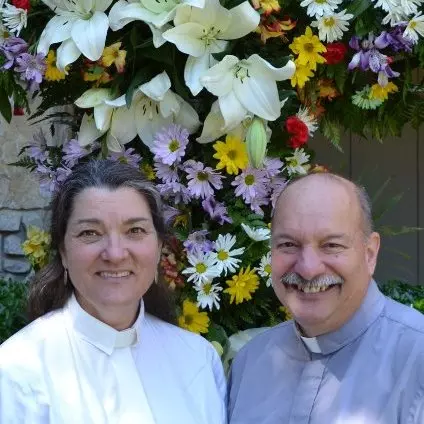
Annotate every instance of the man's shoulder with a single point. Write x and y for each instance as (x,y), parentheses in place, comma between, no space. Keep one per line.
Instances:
(405,317)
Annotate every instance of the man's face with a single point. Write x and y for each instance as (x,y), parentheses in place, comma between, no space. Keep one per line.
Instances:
(321,260)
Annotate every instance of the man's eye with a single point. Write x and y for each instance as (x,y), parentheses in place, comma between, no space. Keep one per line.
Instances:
(137,230)
(287,245)
(333,246)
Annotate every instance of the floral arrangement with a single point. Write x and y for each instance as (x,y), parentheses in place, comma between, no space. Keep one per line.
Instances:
(215,102)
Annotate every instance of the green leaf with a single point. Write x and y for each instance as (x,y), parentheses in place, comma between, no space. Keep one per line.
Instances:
(229,4)
(331,130)
(5,106)
(357,7)
(340,76)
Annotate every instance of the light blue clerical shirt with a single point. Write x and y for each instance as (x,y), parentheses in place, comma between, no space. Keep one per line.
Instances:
(370,371)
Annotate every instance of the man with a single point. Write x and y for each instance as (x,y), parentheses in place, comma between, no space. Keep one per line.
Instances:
(351,355)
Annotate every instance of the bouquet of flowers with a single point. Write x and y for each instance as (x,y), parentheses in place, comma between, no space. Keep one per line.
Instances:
(215,101)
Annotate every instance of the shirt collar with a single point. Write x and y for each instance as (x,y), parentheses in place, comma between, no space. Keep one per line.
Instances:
(99,334)
(368,312)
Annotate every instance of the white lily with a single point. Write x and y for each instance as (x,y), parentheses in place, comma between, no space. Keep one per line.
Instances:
(247,85)
(153,107)
(80,25)
(155,12)
(201,32)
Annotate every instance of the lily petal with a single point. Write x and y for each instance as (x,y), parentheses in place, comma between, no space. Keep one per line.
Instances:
(102,5)
(244,19)
(122,13)
(188,38)
(57,30)
(262,68)
(123,125)
(118,102)
(88,132)
(169,105)
(67,53)
(195,3)
(219,79)
(232,110)
(90,35)
(194,68)
(93,97)
(213,126)
(156,87)
(259,95)
(187,117)
(113,143)
(149,124)
(213,14)
(102,116)
(157,33)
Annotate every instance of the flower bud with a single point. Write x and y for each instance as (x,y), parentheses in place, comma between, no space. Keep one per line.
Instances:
(256,141)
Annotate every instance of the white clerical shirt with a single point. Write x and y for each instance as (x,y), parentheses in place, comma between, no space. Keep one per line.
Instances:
(67,367)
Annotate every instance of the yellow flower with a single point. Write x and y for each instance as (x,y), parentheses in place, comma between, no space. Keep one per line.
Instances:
(52,72)
(268,6)
(287,315)
(232,155)
(382,93)
(148,171)
(113,54)
(36,246)
(241,286)
(308,47)
(193,320)
(302,74)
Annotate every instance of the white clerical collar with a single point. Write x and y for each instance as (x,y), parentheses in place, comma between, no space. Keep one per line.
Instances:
(99,334)
(312,344)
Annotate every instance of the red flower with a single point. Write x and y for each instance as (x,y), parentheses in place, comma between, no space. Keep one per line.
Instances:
(18,111)
(299,131)
(22,4)
(335,53)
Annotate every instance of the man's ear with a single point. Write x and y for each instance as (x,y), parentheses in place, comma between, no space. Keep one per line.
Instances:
(371,250)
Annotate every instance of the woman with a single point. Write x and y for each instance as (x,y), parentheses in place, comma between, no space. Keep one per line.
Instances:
(100,349)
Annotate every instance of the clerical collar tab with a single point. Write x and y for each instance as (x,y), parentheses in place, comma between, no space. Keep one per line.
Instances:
(312,344)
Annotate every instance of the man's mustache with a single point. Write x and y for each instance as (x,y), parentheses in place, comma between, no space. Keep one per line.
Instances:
(294,279)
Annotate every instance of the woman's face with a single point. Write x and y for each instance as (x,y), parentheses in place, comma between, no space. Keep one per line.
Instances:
(111,249)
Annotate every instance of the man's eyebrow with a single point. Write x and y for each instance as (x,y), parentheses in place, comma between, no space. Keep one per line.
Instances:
(283,236)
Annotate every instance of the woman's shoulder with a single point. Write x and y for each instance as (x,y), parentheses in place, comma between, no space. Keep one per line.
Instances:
(179,339)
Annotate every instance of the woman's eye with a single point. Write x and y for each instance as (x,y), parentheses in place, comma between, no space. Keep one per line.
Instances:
(88,233)
(137,230)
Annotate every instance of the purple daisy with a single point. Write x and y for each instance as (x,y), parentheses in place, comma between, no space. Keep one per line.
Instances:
(11,48)
(126,156)
(277,186)
(216,210)
(251,183)
(170,144)
(73,153)
(197,243)
(272,166)
(202,180)
(176,191)
(256,204)
(166,173)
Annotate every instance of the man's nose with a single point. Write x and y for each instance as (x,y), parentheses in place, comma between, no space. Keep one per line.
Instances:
(309,263)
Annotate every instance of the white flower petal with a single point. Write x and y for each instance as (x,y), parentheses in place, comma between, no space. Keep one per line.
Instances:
(232,110)
(113,143)
(169,105)
(157,34)
(90,35)
(187,117)
(244,19)
(123,125)
(194,68)
(93,97)
(214,125)
(57,30)
(262,68)
(188,38)
(102,5)
(67,53)
(259,96)
(88,132)
(122,13)
(219,79)
(119,102)
(102,116)
(213,14)
(156,87)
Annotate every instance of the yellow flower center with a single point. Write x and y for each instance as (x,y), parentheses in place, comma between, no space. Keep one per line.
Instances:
(309,47)
(232,154)
(201,268)
(222,255)
(202,176)
(321,1)
(207,288)
(174,145)
(249,180)
(188,319)
(412,24)
(329,22)
(267,268)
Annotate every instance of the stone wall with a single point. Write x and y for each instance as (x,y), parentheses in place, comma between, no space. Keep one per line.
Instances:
(20,201)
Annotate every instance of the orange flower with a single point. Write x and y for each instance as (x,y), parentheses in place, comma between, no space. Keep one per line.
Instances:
(266,6)
(271,27)
(327,89)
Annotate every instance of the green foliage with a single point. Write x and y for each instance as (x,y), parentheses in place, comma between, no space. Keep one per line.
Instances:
(331,130)
(12,306)
(405,293)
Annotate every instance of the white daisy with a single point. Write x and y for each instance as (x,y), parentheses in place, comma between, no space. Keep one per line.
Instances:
(410,7)
(224,255)
(203,268)
(415,28)
(386,5)
(332,25)
(298,163)
(208,295)
(308,119)
(264,269)
(14,19)
(257,234)
(320,7)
